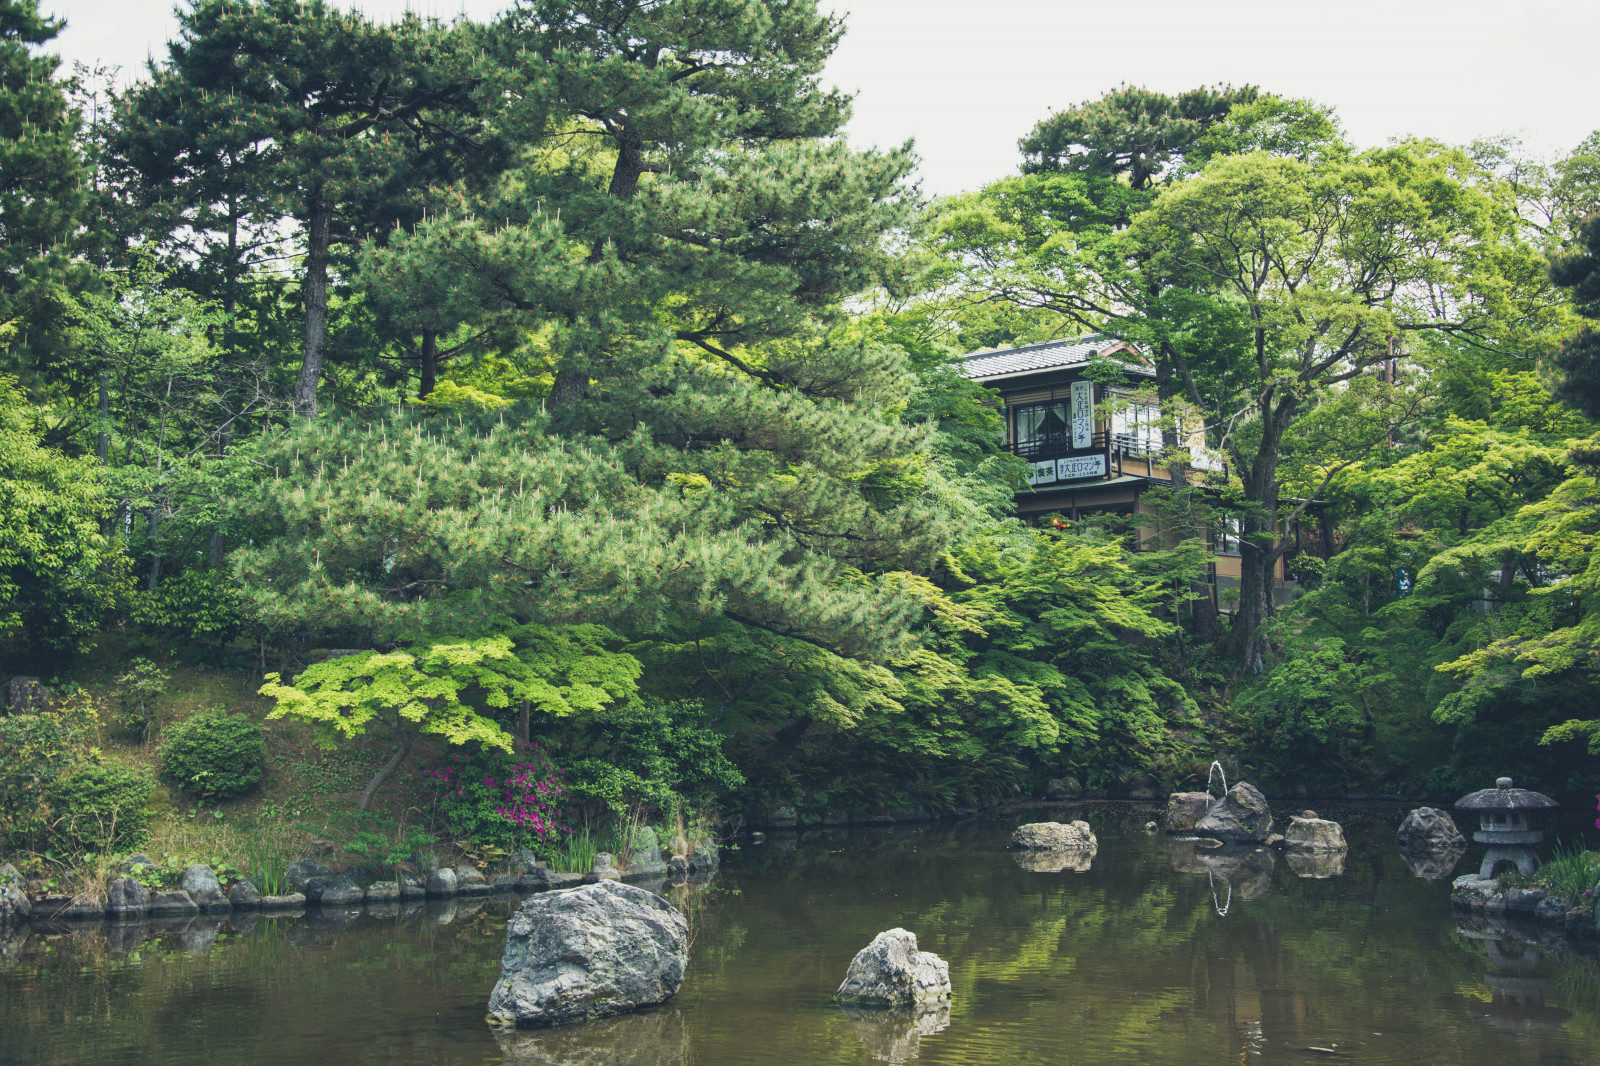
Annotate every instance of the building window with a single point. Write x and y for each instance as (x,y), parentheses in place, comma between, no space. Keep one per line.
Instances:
(1136,429)
(1043,428)
(1225,536)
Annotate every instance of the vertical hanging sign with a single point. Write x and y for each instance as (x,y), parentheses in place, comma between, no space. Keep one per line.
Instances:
(1082,414)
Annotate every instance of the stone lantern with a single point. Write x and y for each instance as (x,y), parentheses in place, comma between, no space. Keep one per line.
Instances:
(1503,825)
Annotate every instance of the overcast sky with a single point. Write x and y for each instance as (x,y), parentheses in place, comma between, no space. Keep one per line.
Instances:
(967,78)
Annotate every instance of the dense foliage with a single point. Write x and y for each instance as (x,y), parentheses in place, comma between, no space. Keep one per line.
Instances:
(567,380)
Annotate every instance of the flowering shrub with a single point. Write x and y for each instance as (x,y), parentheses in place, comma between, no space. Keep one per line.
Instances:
(493,798)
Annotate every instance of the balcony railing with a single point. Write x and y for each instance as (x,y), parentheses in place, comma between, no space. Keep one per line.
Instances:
(1059,446)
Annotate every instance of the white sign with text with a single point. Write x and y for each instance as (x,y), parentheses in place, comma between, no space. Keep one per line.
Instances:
(1082,414)
(1080,466)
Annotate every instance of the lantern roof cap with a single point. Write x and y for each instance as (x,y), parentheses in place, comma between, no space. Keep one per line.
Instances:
(1504,798)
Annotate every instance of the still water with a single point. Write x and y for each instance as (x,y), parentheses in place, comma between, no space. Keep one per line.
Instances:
(1156,953)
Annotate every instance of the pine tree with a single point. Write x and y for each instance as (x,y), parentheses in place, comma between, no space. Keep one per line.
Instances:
(43,190)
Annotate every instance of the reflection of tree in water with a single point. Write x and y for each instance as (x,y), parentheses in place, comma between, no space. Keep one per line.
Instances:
(895,1035)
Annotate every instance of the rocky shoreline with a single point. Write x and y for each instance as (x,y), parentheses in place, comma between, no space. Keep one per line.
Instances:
(1482,896)
(130,899)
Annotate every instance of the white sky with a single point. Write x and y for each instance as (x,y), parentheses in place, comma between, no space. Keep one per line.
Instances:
(967,79)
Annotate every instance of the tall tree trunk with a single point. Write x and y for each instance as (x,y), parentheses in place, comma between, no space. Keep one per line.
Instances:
(1260,545)
(387,770)
(318,228)
(430,363)
(154,577)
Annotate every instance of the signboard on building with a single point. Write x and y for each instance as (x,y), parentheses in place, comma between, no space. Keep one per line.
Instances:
(1081,466)
(1042,473)
(1082,414)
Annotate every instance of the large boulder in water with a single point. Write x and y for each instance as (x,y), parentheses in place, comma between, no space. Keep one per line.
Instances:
(589,952)
(891,973)
(1241,816)
(1053,836)
(1314,834)
(1430,829)
(1185,809)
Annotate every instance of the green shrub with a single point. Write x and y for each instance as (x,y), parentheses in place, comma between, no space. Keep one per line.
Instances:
(138,690)
(97,808)
(204,605)
(213,753)
(36,751)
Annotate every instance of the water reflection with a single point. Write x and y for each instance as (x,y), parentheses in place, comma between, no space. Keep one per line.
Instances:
(1236,871)
(895,1036)
(1318,865)
(1078,860)
(1434,865)
(1517,981)
(653,1038)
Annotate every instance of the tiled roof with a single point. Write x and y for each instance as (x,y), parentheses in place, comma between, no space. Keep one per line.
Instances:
(1045,355)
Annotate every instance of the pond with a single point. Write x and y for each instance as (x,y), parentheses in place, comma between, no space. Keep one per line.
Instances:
(1158,952)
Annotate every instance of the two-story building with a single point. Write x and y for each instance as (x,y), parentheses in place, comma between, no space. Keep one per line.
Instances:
(1095,448)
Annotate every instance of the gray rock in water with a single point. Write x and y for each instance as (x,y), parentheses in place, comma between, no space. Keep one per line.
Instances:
(503,883)
(14,906)
(172,904)
(589,952)
(411,886)
(470,882)
(1054,836)
(361,874)
(1185,809)
(383,892)
(1430,829)
(534,879)
(1314,834)
(204,889)
(678,866)
(891,972)
(288,902)
(1240,816)
(244,895)
(441,883)
(127,898)
(335,891)
(298,873)
(605,867)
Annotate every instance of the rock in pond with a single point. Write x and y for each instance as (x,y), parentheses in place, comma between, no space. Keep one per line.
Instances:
(14,906)
(204,889)
(589,952)
(471,882)
(289,902)
(383,892)
(534,879)
(172,904)
(1185,809)
(1430,829)
(891,973)
(441,883)
(127,899)
(605,867)
(1053,836)
(678,867)
(244,895)
(298,873)
(1314,834)
(335,891)
(1241,816)
(411,885)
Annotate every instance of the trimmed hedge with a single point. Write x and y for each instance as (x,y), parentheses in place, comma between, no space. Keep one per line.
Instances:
(97,808)
(213,753)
